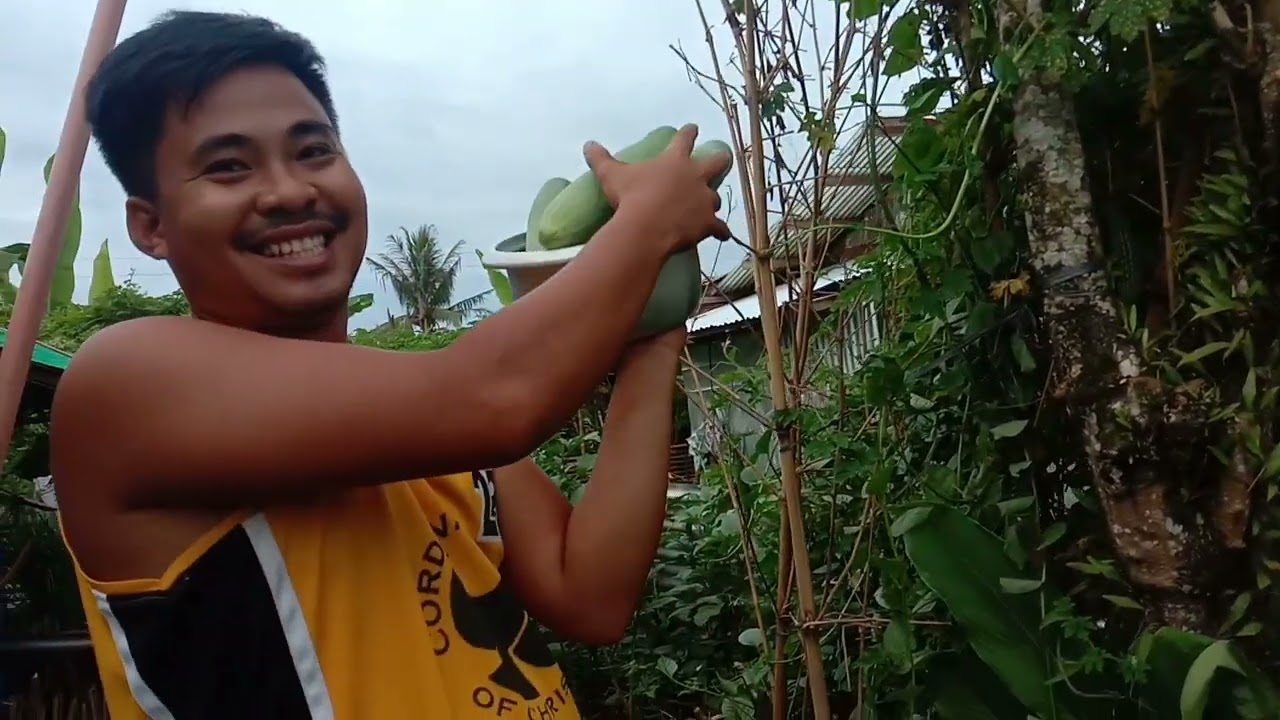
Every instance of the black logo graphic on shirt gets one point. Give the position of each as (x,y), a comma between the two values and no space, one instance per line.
(482,480)
(495,621)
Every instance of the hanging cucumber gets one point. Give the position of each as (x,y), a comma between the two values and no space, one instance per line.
(581,209)
(548,192)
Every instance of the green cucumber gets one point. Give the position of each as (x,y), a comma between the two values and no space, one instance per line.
(581,209)
(709,148)
(548,192)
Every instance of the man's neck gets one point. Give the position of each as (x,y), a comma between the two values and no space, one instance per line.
(333,330)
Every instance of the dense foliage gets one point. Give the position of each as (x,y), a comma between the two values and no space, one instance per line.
(967,562)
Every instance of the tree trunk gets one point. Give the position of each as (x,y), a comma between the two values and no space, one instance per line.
(1146,443)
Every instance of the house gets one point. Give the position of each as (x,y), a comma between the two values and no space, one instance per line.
(47,366)
(724,333)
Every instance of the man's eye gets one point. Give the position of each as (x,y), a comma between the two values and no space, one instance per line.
(316,150)
(224,167)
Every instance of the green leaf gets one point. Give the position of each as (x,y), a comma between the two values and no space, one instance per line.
(706,612)
(1250,629)
(3,142)
(1052,534)
(991,251)
(1018,586)
(667,666)
(1219,665)
(19,251)
(357,304)
(1271,468)
(730,524)
(751,637)
(1013,428)
(899,642)
(1169,653)
(1005,70)
(906,50)
(103,280)
(963,564)
(909,519)
(964,688)
(1249,393)
(1016,506)
(1203,352)
(1121,601)
(923,97)
(863,9)
(64,272)
(732,708)
(501,285)
(1236,612)
(1128,18)
(1021,353)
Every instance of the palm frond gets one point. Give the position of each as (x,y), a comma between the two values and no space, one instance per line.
(422,274)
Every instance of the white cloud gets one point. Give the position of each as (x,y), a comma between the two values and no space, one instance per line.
(454,111)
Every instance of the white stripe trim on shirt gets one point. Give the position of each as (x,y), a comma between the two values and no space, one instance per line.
(305,658)
(142,692)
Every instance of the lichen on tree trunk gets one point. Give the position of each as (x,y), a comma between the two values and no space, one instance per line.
(1147,442)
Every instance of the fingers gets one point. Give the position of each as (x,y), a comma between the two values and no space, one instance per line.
(682,143)
(720,230)
(715,165)
(597,157)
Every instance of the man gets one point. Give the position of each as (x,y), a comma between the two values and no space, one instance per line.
(269,522)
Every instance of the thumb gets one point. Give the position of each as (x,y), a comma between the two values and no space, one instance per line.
(598,159)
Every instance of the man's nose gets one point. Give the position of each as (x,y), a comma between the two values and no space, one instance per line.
(287,191)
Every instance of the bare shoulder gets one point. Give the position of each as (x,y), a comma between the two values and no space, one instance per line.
(122,359)
(84,396)
(118,346)
(104,389)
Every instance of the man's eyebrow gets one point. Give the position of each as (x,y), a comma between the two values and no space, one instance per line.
(216,143)
(236,141)
(310,128)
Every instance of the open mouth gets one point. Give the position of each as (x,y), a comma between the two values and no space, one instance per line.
(311,246)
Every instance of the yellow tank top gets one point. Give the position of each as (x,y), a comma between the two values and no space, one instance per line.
(384,603)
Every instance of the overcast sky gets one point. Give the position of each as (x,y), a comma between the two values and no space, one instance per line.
(454,111)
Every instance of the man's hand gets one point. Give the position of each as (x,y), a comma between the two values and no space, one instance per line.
(670,194)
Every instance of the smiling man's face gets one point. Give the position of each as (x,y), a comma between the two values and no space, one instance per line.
(257,209)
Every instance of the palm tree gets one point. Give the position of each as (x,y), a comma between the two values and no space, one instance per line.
(422,275)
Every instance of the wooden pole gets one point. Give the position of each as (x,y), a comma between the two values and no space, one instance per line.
(48,238)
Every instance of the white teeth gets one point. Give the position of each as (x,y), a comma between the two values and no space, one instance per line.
(305,247)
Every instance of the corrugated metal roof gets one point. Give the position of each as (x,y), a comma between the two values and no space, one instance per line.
(748,308)
(841,202)
(43,355)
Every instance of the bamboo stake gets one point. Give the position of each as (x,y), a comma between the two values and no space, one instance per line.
(787,435)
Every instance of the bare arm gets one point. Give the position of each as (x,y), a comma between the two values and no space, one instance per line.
(582,571)
(182,413)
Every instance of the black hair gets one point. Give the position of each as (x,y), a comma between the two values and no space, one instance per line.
(175,60)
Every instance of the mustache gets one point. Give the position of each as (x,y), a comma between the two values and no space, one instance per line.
(248,238)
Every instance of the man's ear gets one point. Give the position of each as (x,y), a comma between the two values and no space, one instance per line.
(144,228)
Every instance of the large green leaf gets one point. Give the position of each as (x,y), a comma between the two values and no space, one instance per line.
(103,279)
(964,688)
(357,304)
(501,285)
(19,251)
(1169,653)
(1221,683)
(11,256)
(963,563)
(64,273)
